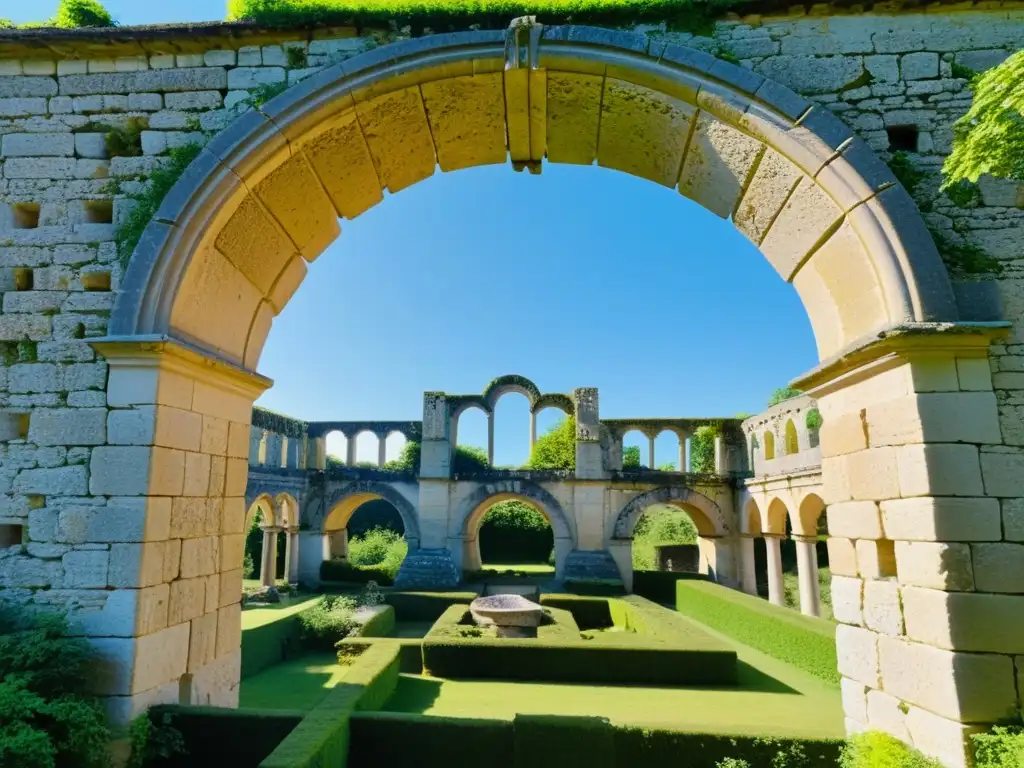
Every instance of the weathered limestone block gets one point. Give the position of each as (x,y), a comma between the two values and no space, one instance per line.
(160,657)
(918,66)
(768,190)
(202,641)
(467,120)
(1003,472)
(56,481)
(23,87)
(935,565)
(37,144)
(199,557)
(882,610)
(938,470)
(857,651)
(998,567)
(972,688)
(119,471)
(940,738)
(86,569)
(34,377)
(854,695)
(244,78)
(72,426)
(23,107)
(136,565)
(187,599)
(812,74)
(846,599)
(885,713)
(806,219)
(965,621)
(573,115)
(297,201)
(940,417)
(855,520)
(941,519)
(156,80)
(717,165)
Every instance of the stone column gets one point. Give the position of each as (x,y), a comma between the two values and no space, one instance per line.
(339,544)
(382,450)
(748,565)
(776,591)
(650,453)
(490,439)
(291,556)
(350,450)
(682,454)
(720,463)
(589,462)
(326,548)
(807,571)
(320,449)
(533,430)
(268,563)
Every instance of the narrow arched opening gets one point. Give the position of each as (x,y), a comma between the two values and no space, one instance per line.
(364,539)
(517,536)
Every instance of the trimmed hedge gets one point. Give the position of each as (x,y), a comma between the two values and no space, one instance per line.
(637,747)
(426,606)
(322,738)
(553,741)
(802,641)
(380,624)
(243,737)
(589,612)
(343,572)
(662,650)
(660,586)
(398,738)
(539,741)
(409,649)
(596,587)
(271,643)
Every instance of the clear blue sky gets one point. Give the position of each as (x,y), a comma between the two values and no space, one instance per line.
(577,277)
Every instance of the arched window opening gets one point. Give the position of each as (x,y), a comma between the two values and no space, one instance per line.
(364,540)
(515,535)
(261,526)
(394,446)
(665,539)
(469,448)
(336,448)
(769,446)
(792,442)
(511,431)
(635,450)
(669,452)
(367,449)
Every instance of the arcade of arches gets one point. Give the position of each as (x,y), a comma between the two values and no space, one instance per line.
(919,467)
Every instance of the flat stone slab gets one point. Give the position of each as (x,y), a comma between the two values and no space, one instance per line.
(506,611)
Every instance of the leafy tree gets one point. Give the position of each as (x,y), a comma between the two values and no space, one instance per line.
(668,467)
(46,718)
(556,448)
(514,532)
(660,525)
(631,457)
(465,458)
(81,13)
(783,393)
(990,137)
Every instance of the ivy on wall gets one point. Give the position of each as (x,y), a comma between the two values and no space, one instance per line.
(279,423)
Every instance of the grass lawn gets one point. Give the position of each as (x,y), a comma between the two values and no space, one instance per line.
(257,617)
(772,699)
(293,684)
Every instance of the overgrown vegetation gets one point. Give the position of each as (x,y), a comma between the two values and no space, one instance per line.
(145,203)
(465,458)
(46,717)
(781,394)
(874,749)
(690,15)
(126,140)
(380,548)
(990,137)
(702,450)
(515,532)
(631,457)
(964,257)
(1002,747)
(556,448)
(327,622)
(660,525)
(71,14)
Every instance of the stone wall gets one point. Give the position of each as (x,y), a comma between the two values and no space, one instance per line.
(85,542)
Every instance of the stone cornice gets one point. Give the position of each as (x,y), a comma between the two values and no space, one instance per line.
(171,354)
(896,345)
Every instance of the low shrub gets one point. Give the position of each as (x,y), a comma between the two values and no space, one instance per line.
(46,716)
(381,549)
(242,736)
(409,650)
(639,747)
(397,738)
(343,571)
(1002,747)
(515,532)
(874,749)
(380,623)
(327,622)
(803,641)
(660,525)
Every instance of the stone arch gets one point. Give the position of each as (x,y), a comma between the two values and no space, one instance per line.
(750,520)
(229,244)
(263,501)
(811,508)
(564,403)
(706,514)
(339,506)
(775,515)
(792,440)
(286,510)
(511,383)
(460,409)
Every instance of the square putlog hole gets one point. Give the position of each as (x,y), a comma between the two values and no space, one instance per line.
(24,279)
(99,211)
(902,138)
(97,280)
(25,215)
(11,536)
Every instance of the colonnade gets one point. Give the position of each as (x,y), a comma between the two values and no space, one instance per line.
(382,450)
(268,563)
(806,563)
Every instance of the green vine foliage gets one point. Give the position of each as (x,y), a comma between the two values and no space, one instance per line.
(631,457)
(126,141)
(556,448)
(990,137)
(964,257)
(279,423)
(908,174)
(131,227)
(443,15)
(964,194)
(781,394)
(71,14)
(813,419)
(465,458)
(702,450)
